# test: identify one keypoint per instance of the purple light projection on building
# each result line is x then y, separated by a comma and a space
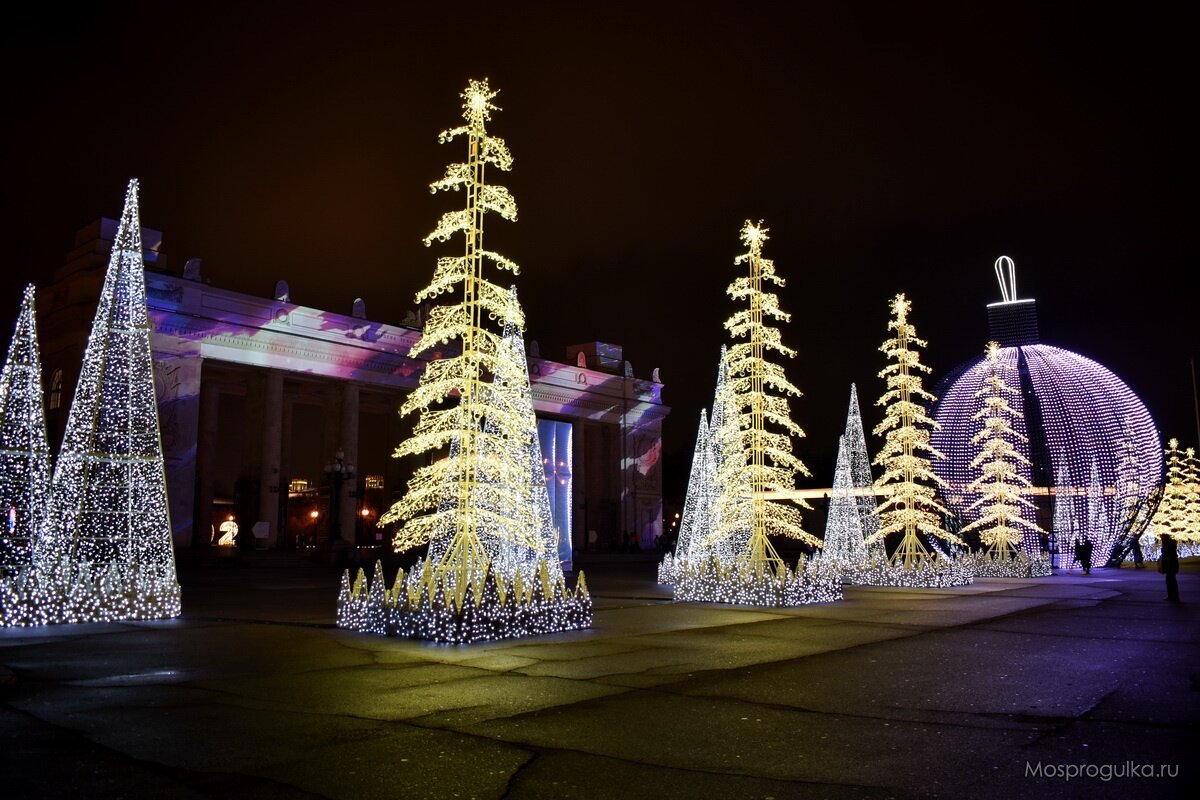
1079, 417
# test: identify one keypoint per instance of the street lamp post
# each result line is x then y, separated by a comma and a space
338, 472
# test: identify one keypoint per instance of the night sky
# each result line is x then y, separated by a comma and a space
888, 149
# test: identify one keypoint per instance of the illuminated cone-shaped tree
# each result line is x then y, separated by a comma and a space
909, 506
843, 526
1003, 510
697, 504
24, 455
752, 456
860, 474
472, 525
109, 499
528, 501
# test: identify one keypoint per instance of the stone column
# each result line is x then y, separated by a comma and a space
177, 386
206, 454
349, 444
270, 483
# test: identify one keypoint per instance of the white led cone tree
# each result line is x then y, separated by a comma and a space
24, 454
106, 552
860, 475
908, 484
843, 526
1004, 514
752, 441
492, 569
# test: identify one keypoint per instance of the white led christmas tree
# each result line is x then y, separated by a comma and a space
106, 550
1004, 512
492, 568
1176, 514
755, 439
910, 506
751, 441
24, 454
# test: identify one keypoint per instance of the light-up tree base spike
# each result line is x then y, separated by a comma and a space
1012, 564
423, 604
714, 581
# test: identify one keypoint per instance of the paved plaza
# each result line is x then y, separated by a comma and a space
890, 693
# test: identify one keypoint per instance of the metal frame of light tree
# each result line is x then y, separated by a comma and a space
24, 453
1000, 484
751, 456
909, 506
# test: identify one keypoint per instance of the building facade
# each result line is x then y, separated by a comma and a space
283, 417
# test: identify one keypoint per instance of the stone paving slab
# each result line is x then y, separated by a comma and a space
891, 693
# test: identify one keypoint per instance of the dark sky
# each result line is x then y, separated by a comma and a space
892, 148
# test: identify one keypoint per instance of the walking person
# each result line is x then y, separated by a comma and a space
1136, 546
1168, 564
1083, 554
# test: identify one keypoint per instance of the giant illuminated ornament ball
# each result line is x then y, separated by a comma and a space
1094, 454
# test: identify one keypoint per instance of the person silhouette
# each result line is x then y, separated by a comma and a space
1083, 554
1168, 565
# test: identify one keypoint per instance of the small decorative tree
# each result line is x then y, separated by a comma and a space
24, 454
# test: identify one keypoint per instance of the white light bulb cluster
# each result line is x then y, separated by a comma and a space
941, 572
851, 518
433, 605
104, 551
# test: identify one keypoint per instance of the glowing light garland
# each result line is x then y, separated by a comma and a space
1002, 510
483, 510
106, 551
908, 482
24, 454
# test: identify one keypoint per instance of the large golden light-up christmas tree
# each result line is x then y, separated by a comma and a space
910, 506
1004, 511
752, 447
491, 571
